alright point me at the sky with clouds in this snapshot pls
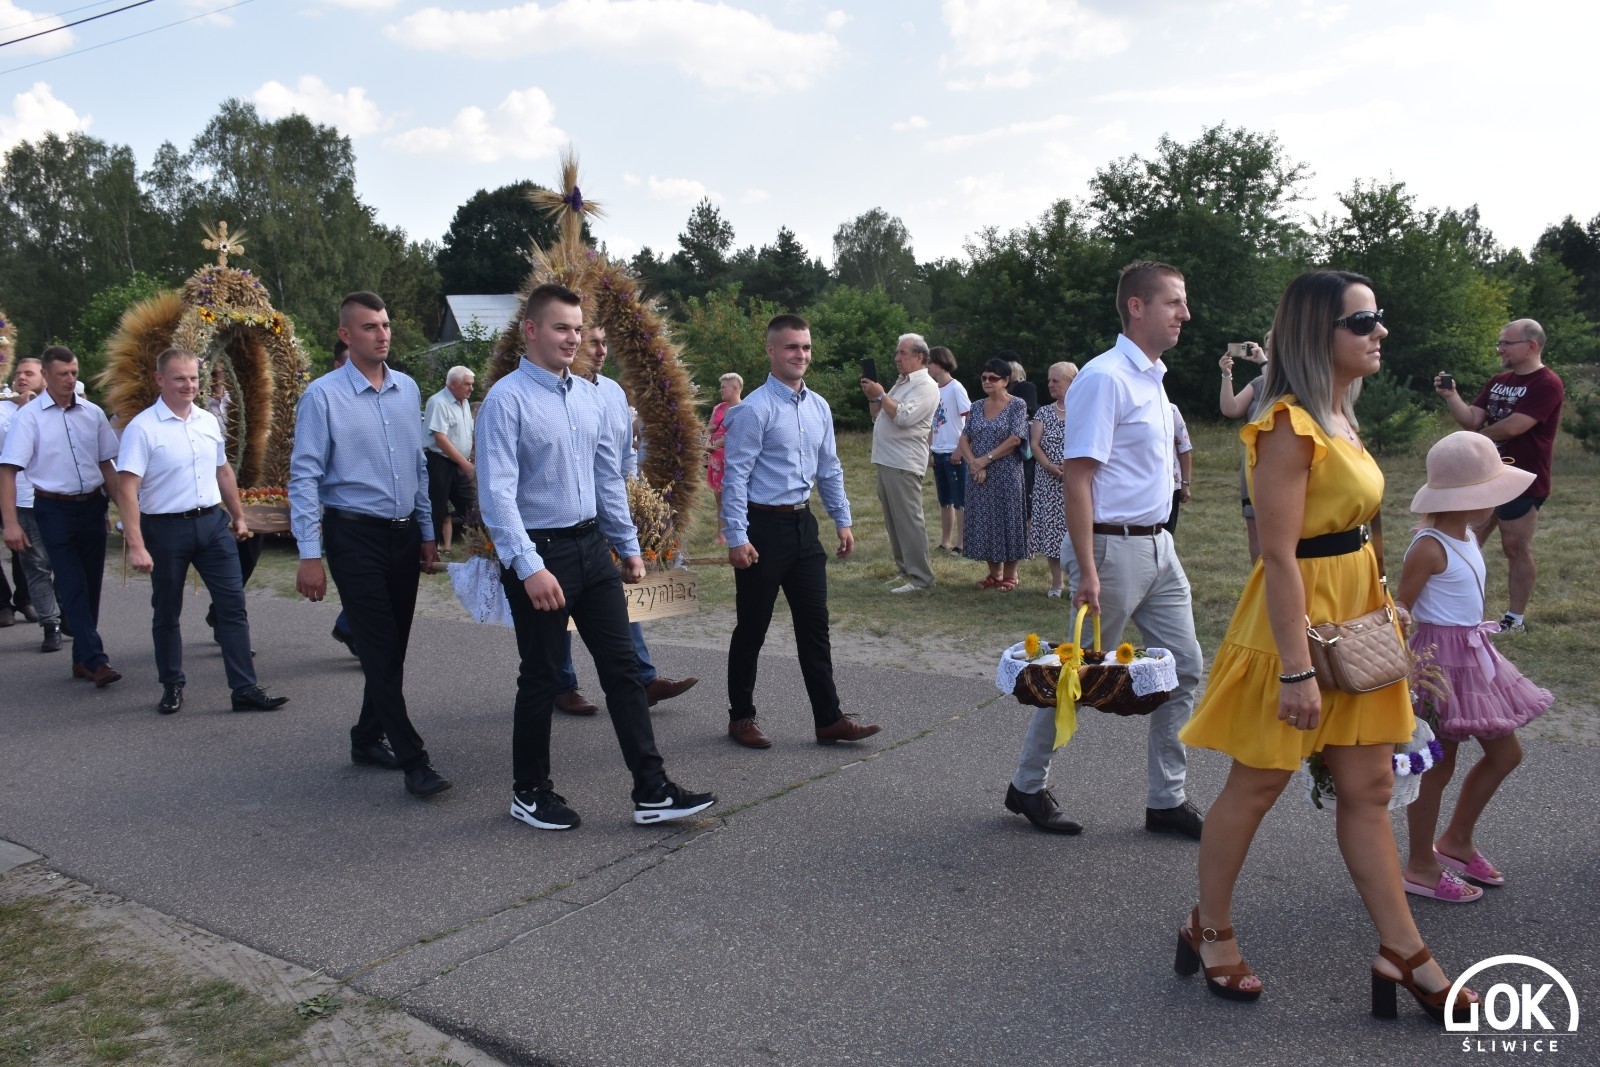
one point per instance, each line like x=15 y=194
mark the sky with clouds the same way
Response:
x=955 y=116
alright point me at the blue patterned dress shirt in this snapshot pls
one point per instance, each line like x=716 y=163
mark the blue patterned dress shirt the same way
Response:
x=779 y=441
x=548 y=459
x=356 y=449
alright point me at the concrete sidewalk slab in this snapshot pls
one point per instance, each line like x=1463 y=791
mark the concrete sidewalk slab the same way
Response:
x=844 y=904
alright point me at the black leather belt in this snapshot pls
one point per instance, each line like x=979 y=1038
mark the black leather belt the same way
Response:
x=787 y=509
x=192 y=513
x=1116 y=529
x=566 y=533
x=1335 y=544
x=369 y=520
x=68 y=498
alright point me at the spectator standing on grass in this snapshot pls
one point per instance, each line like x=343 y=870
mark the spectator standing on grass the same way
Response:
x=1046 y=432
x=65 y=447
x=902 y=418
x=27 y=382
x=1520 y=411
x=731 y=386
x=447 y=442
x=358 y=485
x=780 y=443
x=991 y=447
x=180 y=508
x=944 y=445
x=1183 y=467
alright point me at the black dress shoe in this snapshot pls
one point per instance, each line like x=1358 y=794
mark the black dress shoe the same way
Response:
x=255 y=698
x=423 y=781
x=376 y=754
x=171 y=699
x=1184 y=819
x=1041 y=810
x=52 y=637
x=348 y=640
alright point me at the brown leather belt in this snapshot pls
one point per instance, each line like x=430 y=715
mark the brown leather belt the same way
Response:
x=804 y=505
x=1119 y=530
x=67 y=498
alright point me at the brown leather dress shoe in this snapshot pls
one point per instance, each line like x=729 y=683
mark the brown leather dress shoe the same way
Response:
x=575 y=703
x=844 y=729
x=101 y=676
x=747 y=733
x=667 y=688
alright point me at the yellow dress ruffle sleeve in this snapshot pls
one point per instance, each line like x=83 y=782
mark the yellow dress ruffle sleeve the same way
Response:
x=1239 y=712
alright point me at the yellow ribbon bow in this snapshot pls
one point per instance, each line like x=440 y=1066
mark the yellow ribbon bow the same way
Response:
x=1068 y=687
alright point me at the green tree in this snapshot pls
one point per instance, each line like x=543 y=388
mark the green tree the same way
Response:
x=103 y=314
x=290 y=184
x=873 y=250
x=1578 y=248
x=782 y=272
x=410 y=286
x=73 y=220
x=723 y=332
x=485 y=250
x=1222 y=210
x=1543 y=289
x=847 y=326
x=1442 y=313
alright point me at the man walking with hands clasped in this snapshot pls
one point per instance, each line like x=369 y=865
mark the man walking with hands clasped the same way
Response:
x=552 y=496
x=180 y=506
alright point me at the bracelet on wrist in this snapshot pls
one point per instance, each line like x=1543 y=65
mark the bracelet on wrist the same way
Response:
x=1299 y=676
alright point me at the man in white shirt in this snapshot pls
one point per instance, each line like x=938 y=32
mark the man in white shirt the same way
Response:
x=174 y=466
x=902 y=417
x=65 y=446
x=949 y=476
x=447 y=441
x=30 y=567
x=1118 y=477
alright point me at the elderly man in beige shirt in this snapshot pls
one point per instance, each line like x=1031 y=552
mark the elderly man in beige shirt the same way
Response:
x=902 y=420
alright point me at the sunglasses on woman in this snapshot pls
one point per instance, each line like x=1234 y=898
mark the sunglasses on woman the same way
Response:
x=991 y=378
x=1361 y=323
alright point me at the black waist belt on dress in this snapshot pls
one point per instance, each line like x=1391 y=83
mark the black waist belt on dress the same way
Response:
x=1117 y=529
x=192 y=513
x=1335 y=544
x=370 y=520
x=566 y=533
x=782 y=509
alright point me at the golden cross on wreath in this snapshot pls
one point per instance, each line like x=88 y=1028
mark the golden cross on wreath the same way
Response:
x=568 y=207
x=224 y=245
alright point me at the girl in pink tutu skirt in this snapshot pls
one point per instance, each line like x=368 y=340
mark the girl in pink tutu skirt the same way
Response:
x=1486 y=699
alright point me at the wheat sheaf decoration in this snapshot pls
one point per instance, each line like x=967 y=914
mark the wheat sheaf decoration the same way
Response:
x=224 y=316
x=649 y=362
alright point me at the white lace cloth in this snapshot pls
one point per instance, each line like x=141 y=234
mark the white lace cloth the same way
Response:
x=1156 y=672
x=477 y=585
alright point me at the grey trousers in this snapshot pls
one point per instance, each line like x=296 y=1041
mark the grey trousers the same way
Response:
x=900 y=493
x=36 y=569
x=1140 y=579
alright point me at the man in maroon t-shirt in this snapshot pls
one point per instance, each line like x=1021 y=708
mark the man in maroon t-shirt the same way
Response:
x=1520 y=411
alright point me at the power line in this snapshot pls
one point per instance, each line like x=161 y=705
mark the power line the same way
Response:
x=80 y=22
x=129 y=37
x=57 y=14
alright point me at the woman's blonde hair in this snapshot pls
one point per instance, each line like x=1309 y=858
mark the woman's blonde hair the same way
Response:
x=1066 y=367
x=1300 y=357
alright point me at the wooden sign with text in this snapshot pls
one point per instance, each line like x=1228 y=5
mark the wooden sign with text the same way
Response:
x=661 y=595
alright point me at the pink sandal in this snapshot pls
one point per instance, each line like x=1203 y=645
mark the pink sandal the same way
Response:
x=1478 y=868
x=990 y=583
x=1450 y=889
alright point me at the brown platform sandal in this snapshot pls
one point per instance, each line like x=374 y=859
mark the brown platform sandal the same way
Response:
x=1383 y=998
x=1189 y=961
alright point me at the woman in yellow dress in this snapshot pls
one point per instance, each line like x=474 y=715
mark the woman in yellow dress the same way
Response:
x=1315 y=487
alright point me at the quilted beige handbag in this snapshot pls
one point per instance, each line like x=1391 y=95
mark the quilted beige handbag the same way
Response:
x=1360 y=655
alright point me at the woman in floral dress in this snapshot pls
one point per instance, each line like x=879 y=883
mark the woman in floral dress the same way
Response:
x=991 y=446
x=1047 y=431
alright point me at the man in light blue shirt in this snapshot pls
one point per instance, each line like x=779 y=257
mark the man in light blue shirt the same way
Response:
x=358 y=486
x=551 y=493
x=780 y=441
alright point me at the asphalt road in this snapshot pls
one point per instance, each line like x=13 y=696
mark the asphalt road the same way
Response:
x=866 y=904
